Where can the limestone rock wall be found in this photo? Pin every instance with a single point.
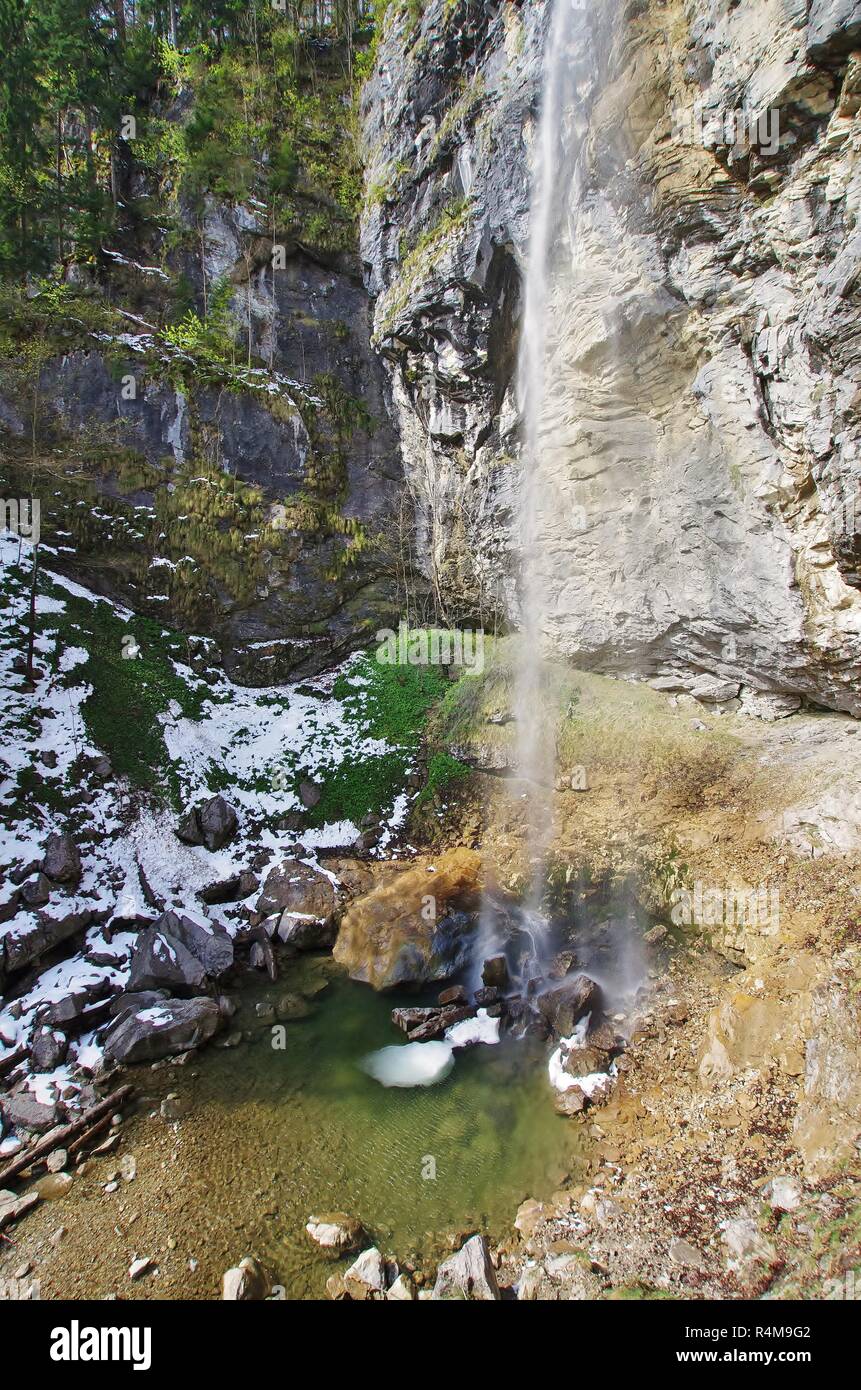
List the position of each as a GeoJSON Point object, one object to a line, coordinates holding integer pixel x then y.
{"type": "Point", "coordinates": [701, 442]}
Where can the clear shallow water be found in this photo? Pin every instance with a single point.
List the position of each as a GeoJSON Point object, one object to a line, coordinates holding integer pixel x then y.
{"type": "Point", "coordinates": [283, 1134]}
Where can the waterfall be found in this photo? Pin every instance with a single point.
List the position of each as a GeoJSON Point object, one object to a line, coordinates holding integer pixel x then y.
{"type": "Point", "coordinates": [554, 188]}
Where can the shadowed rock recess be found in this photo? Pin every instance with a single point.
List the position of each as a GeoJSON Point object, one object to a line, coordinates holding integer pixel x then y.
{"type": "Point", "coordinates": [704, 426]}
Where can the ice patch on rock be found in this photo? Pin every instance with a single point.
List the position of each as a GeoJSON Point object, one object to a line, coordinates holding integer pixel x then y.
{"type": "Point", "coordinates": [481, 1029]}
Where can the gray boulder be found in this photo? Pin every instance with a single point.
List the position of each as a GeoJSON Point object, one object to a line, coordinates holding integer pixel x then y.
{"type": "Point", "coordinates": [209, 944]}
{"type": "Point", "coordinates": [468, 1275]}
{"type": "Point", "coordinates": [62, 862]}
{"type": "Point", "coordinates": [36, 891]}
{"type": "Point", "coordinates": [218, 823]}
{"type": "Point", "coordinates": [298, 889]}
{"type": "Point", "coordinates": [23, 1111]}
{"type": "Point", "coordinates": [161, 961]}
{"type": "Point", "coordinates": [165, 1028]}
{"type": "Point", "coordinates": [47, 1049]}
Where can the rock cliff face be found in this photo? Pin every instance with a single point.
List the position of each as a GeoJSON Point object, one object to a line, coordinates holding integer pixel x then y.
{"type": "Point", "coordinates": [701, 438]}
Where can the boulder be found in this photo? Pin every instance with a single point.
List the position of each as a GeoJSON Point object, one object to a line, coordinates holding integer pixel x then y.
{"type": "Point", "coordinates": [584, 1061]}
{"type": "Point", "coordinates": [455, 994]}
{"type": "Point", "coordinates": [33, 939]}
{"type": "Point", "coordinates": [160, 960]}
{"type": "Point", "coordinates": [565, 1004]}
{"type": "Point", "coordinates": [47, 1049]}
{"type": "Point", "coordinates": [209, 944]}
{"type": "Point", "coordinates": [163, 1029]}
{"type": "Point", "coordinates": [23, 1111]}
{"type": "Point", "coordinates": [310, 794]}
{"type": "Point", "coordinates": [223, 890]}
{"type": "Point", "coordinates": [218, 823]}
{"type": "Point", "coordinates": [36, 891]}
{"type": "Point", "coordinates": [571, 1102]}
{"type": "Point", "coordinates": [296, 890]}
{"type": "Point", "coordinates": [62, 862]}
{"type": "Point", "coordinates": [245, 1283]}
{"type": "Point", "coordinates": [404, 932]}
{"type": "Point", "coordinates": [305, 933]}
{"type": "Point", "coordinates": [366, 1277]}
{"type": "Point", "coordinates": [336, 1232]}
{"type": "Point", "coordinates": [188, 830]}
{"type": "Point", "coordinates": [494, 973]}
{"type": "Point", "coordinates": [467, 1275]}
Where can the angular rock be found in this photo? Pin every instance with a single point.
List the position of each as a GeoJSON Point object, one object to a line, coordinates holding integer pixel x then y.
{"type": "Point", "coordinates": [494, 973]}
{"type": "Point", "coordinates": [456, 994]}
{"type": "Point", "coordinates": [245, 1283]}
{"type": "Point", "coordinates": [25, 1112]}
{"type": "Point", "coordinates": [162, 1030]}
{"type": "Point", "coordinates": [188, 829]}
{"type": "Point", "coordinates": [306, 933]}
{"type": "Point", "coordinates": [468, 1275]}
{"type": "Point", "coordinates": [62, 861]}
{"type": "Point", "coordinates": [218, 823]}
{"type": "Point", "coordinates": [565, 1004]}
{"type": "Point", "coordinates": [161, 961]}
{"type": "Point", "coordinates": [366, 1278]}
{"type": "Point", "coordinates": [209, 943]}
{"type": "Point", "coordinates": [299, 890]}
{"type": "Point", "coordinates": [47, 1049]}
{"type": "Point", "coordinates": [31, 940]}
{"type": "Point", "coordinates": [403, 932]}
{"type": "Point", "coordinates": [36, 891]}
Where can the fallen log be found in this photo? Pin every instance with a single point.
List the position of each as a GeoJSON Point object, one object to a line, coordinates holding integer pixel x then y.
{"type": "Point", "coordinates": [89, 1134]}
{"type": "Point", "coordinates": [59, 1138]}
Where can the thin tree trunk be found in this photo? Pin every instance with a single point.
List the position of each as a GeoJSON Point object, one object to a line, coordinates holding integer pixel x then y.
{"type": "Point", "coordinates": [31, 634]}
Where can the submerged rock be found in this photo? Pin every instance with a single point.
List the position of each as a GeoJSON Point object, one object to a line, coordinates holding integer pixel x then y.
{"type": "Point", "coordinates": [468, 1275]}
{"type": "Point", "coordinates": [336, 1233]}
{"type": "Point", "coordinates": [403, 932]}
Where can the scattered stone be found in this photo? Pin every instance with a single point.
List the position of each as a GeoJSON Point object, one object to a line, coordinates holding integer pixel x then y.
{"type": "Point", "coordinates": [223, 890]}
{"type": "Point", "coordinates": [336, 1232]}
{"type": "Point", "coordinates": [245, 1283]}
{"type": "Point", "coordinates": [468, 1274]}
{"type": "Point", "coordinates": [289, 1008]}
{"type": "Point", "coordinates": [455, 994]}
{"type": "Point", "coordinates": [56, 1161]}
{"type": "Point", "coordinates": [570, 1102]}
{"type": "Point", "coordinates": [128, 1168]}
{"type": "Point", "coordinates": [140, 1266]}
{"type": "Point", "coordinates": [783, 1193]}
{"type": "Point", "coordinates": [655, 935]}
{"type": "Point", "coordinates": [683, 1253]}
{"type": "Point", "coordinates": [54, 1186]}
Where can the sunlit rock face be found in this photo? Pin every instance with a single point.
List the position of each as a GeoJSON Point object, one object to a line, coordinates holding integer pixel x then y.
{"type": "Point", "coordinates": [701, 427]}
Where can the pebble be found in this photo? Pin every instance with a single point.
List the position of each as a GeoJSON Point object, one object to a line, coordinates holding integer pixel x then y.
{"type": "Point", "coordinates": [139, 1267]}
{"type": "Point", "coordinates": [56, 1161]}
{"type": "Point", "coordinates": [129, 1167]}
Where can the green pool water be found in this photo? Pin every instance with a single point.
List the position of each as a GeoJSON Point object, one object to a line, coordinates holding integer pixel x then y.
{"type": "Point", "coordinates": [284, 1134]}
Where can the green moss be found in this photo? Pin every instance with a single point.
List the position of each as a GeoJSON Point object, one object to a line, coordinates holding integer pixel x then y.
{"type": "Point", "coordinates": [129, 692]}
